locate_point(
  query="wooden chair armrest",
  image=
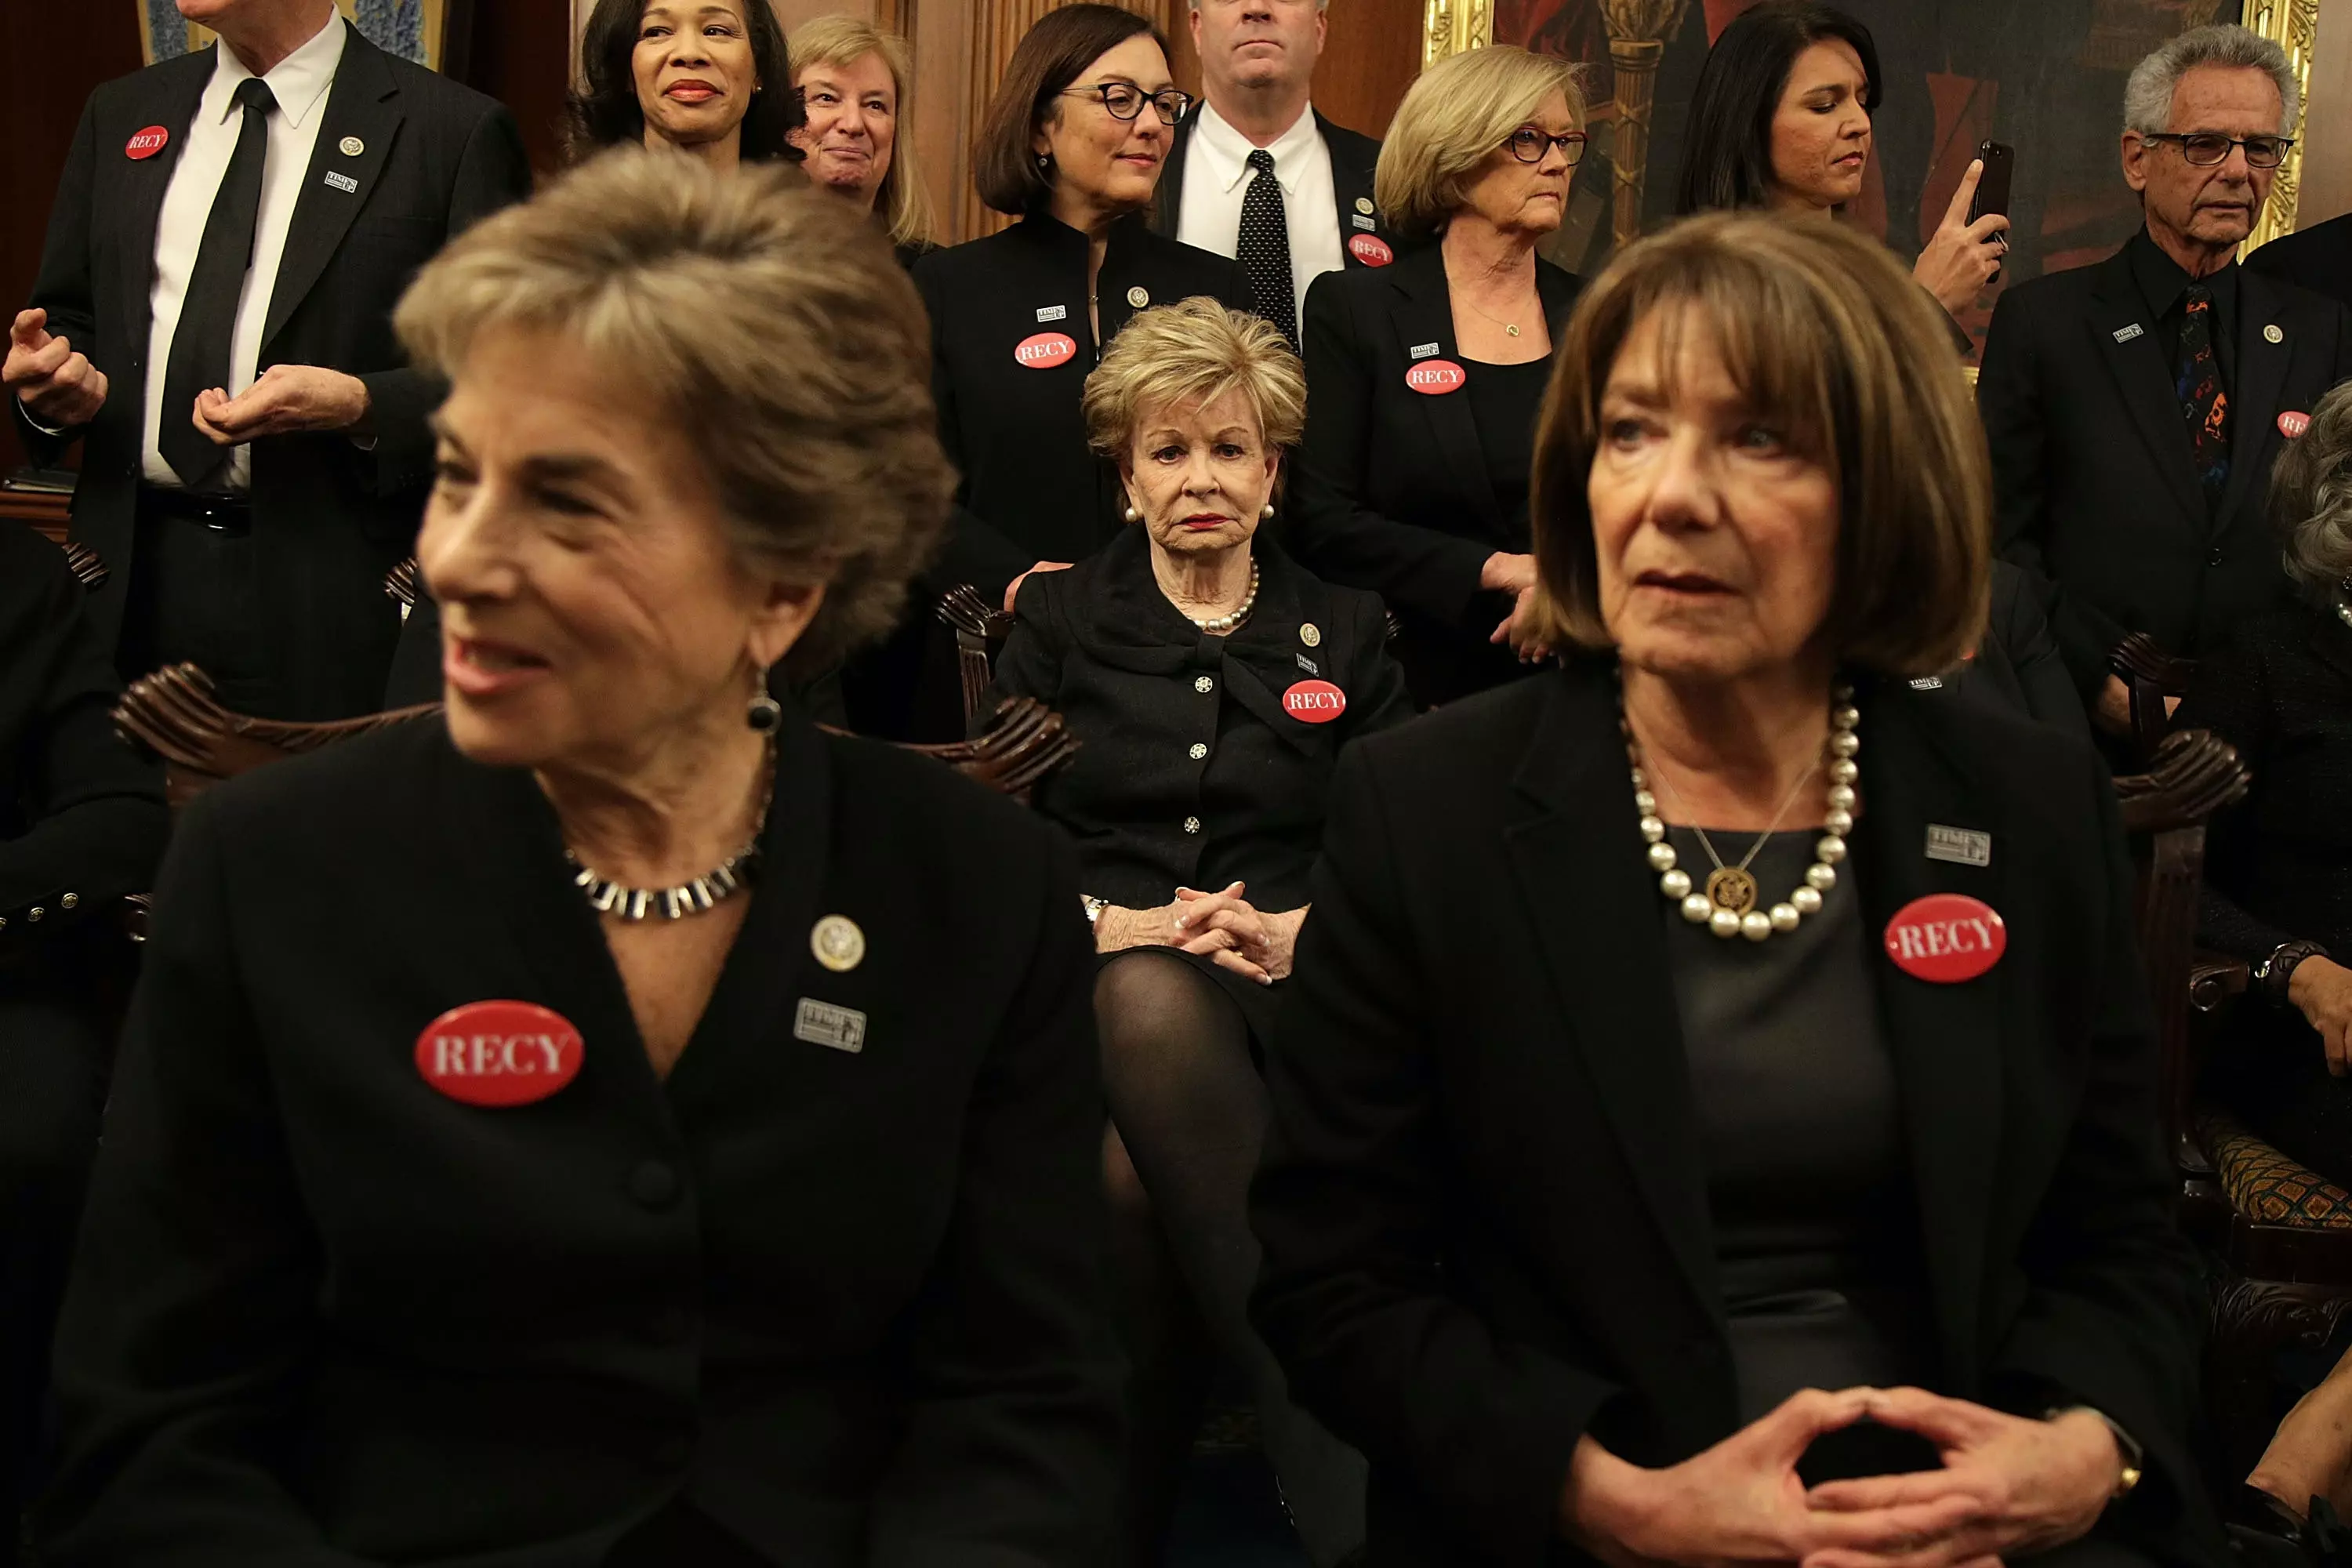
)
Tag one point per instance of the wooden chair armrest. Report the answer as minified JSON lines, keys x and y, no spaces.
{"x":2216,"y":979}
{"x":2193,"y":774}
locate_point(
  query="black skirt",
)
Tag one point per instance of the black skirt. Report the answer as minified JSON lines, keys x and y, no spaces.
{"x":1256,"y":1002}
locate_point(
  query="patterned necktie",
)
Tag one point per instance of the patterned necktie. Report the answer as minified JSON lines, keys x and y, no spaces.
{"x":202,"y":342}
{"x":1263,"y":247}
{"x":2203,"y":403}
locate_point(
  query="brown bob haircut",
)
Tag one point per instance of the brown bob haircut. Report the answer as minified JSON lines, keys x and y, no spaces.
{"x":1049,"y":58}
{"x":1823,"y":333}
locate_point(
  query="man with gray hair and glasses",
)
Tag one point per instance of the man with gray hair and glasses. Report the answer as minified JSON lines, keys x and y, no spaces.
{"x":2134,"y":408}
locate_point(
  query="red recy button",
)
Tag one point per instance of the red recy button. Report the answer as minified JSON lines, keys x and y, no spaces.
{"x":2293,"y":423}
{"x":1315,"y":702}
{"x":1369,"y":249}
{"x":1434,"y":377}
{"x":499,"y":1053}
{"x":1044,"y":351}
{"x":1946,"y":938}
{"x":148,"y":143}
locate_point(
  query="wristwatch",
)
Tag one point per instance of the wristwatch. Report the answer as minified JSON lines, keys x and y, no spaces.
{"x":1094,"y":907}
{"x":2133,"y":1455}
{"x":2273,"y":972}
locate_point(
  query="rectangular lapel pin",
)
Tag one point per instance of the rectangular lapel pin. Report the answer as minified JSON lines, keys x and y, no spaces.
{"x":1306,"y":664}
{"x":1360,"y":221}
{"x":1928,"y":683}
{"x":1052,"y":312}
{"x":1958,"y":846}
{"x":822,"y":1024}
{"x":1423,"y":351}
{"x":342,"y":182}
{"x":2126,"y":334}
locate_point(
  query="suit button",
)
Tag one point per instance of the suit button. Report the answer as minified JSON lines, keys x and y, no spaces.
{"x":35,"y":914}
{"x":69,"y":902}
{"x":1205,"y":685}
{"x":1191,"y":825}
{"x":653,"y":1185}
{"x":1199,"y":751}
{"x":2213,"y":557}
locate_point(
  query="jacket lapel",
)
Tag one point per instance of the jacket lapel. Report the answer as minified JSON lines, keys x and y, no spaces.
{"x":364,"y":104}
{"x":1557,"y":288}
{"x":2128,"y":343}
{"x":1352,"y":193}
{"x":1168,"y":203}
{"x":1574,"y":827}
{"x":1421,"y":313}
{"x":2260,"y":378}
{"x":179,"y":94}
{"x":1944,"y":1039}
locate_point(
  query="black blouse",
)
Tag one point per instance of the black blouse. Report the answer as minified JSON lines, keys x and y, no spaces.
{"x":1011,"y":351}
{"x":1191,"y":772}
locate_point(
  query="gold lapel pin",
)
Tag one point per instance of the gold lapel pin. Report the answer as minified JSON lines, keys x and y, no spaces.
{"x":1139,"y":295}
{"x":353,"y":146}
{"x":2270,"y":334}
{"x":837,"y":943}
{"x":1309,"y":635}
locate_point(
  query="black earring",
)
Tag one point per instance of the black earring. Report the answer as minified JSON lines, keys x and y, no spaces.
{"x":765,"y":713}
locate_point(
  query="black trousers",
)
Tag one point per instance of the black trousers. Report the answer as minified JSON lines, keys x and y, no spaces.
{"x":195,"y":595}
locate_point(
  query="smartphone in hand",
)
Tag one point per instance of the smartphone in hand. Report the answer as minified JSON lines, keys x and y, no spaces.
{"x":1992,"y":188}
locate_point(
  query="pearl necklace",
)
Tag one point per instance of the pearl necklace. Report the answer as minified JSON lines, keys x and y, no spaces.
{"x":1217,"y":624}
{"x":1727,"y":907}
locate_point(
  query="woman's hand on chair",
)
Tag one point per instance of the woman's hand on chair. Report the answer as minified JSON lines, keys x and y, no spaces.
{"x":2321,"y":990}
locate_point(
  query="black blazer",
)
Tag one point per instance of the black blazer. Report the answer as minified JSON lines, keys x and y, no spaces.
{"x":2093,"y":489}
{"x":1354,"y":156}
{"x":1484,"y":1203}
{"x":1392,"y":489}
{"x":82,"y":820}
{"x":1033,"y":490}
{"x":2319,"y":259}
{"x":1101,"y":646}
{"x":2017,"y":668}
{"x":844,"y":1303}
{"x":330,"y":519}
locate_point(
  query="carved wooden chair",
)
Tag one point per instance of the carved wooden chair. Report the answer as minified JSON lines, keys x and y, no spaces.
{"x":980,"y":632}
{"x":88,"y":570}
{"x":2150,"y":674}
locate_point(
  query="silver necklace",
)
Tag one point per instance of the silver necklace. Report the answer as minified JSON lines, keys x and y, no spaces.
{"x":1727,"y":906}
{"x":693,"y":895}
{"x":1217,"y":624}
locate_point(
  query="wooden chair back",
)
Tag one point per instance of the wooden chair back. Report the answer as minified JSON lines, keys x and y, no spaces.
{"x":2150,"y":674}
{"x":980,"y":631}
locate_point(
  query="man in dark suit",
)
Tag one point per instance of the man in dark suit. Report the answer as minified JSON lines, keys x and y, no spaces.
{"x":2134,"y":408}
{"x":213,"y":320}
{"x":1256,"y":174}
{"x":2319,"y":259}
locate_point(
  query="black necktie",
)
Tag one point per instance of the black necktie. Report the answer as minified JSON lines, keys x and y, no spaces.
{"x":2203,"y":403}
{"x":201,"y":344}
{"x":1263,"y":247}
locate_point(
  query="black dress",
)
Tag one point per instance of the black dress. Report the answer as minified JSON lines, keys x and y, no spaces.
{"x":1190,"y":771}
{"x":2278,"y":865}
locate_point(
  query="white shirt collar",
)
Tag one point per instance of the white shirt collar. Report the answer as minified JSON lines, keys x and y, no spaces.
{"x":1228,"y":150}
{"x":299,"y":81}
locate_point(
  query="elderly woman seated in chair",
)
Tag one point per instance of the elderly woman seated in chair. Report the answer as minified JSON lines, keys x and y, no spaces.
{"x":1211,"y":683}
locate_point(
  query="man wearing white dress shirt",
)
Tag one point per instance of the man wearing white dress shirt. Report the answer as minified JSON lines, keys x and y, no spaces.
{"x":1256,"y":174}
{"x":213,"y":322}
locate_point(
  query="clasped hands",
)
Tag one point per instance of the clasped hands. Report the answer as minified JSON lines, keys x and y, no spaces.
{"x":2009,"y":1487}
{"x":1515,"y":575}
{"x":1225,"y":927}
{"x":61,"y":389}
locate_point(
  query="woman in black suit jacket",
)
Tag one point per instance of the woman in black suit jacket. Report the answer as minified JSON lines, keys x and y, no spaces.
{"x":1211,"y":684}
{"x":1575,"y":1210}
{"x":580,"y":1129}
{"x":1424,"y":377}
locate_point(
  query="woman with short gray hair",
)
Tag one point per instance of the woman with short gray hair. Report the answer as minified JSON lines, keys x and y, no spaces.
{"x":2278,"y":869}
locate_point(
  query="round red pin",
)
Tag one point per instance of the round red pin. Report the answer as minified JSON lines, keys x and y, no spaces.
{"x":1434,"y":377}
{"x":148,"y":143}
{"x":2294,"y":423}
{"x":1370,"y":249}
{"x":1044,"y":351}
{"x":1946,"y":938}
{"x":1315,"y":702}
{"x":499,"y":1053}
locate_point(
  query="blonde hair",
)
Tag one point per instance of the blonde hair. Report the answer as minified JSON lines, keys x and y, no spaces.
{"x":1193,"y":352}
{"x":1824,"y":334}
{"x":1455,"y":115}
{"x":767,"y":322}
{"x":903,"y":200}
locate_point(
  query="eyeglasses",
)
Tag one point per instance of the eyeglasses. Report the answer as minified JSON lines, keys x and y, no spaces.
{"x":1529,"y":145}
{"x":2207,"y":148}
{"x":1126,"y":101}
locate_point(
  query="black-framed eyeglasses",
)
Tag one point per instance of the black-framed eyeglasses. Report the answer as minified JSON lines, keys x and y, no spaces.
{"x":1529,"y":145}
{"x":1126,"y":101}
{"x":2207,"y":148}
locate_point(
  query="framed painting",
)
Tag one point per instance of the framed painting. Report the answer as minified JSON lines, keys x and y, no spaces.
{"x":425,"y":31}
{"x":2044,"y":76}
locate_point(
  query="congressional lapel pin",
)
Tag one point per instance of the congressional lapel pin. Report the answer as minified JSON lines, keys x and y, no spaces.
{"x":1434,"y":377}
{"x":2126,"y":334}
{"x":1310,"y":634}
{"x":838,"y":944}
{"x":353,"y":146}
{"x":1364,"y":206}
{"x":498,"y":1054}
{"x":145,"y":144}
{"x":2270,"y":334}
{"x":342,"y":182}
{"x":1946,"y":938}
{"x":1369,"y":249}
{"x":1044,"y":351}
{"x":1960,"y":846}
{"x":2293,"y":423}
{"x":1053,"y":314}
{"x":824,"y":1023}
{"x":1139,"y":295}
{"x":1315,"y":702}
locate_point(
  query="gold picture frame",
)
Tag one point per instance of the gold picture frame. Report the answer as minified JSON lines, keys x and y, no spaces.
{"x":2294,"y":26}
{"x":1454,"y":26}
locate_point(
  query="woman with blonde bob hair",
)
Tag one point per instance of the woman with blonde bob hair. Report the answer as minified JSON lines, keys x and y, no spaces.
{"x":856,"y":84}
{"x":1798,"y":1044}
{"x":1426,"y":375}
{"x":642,"y":1169}
{"x":1212,"y":685}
